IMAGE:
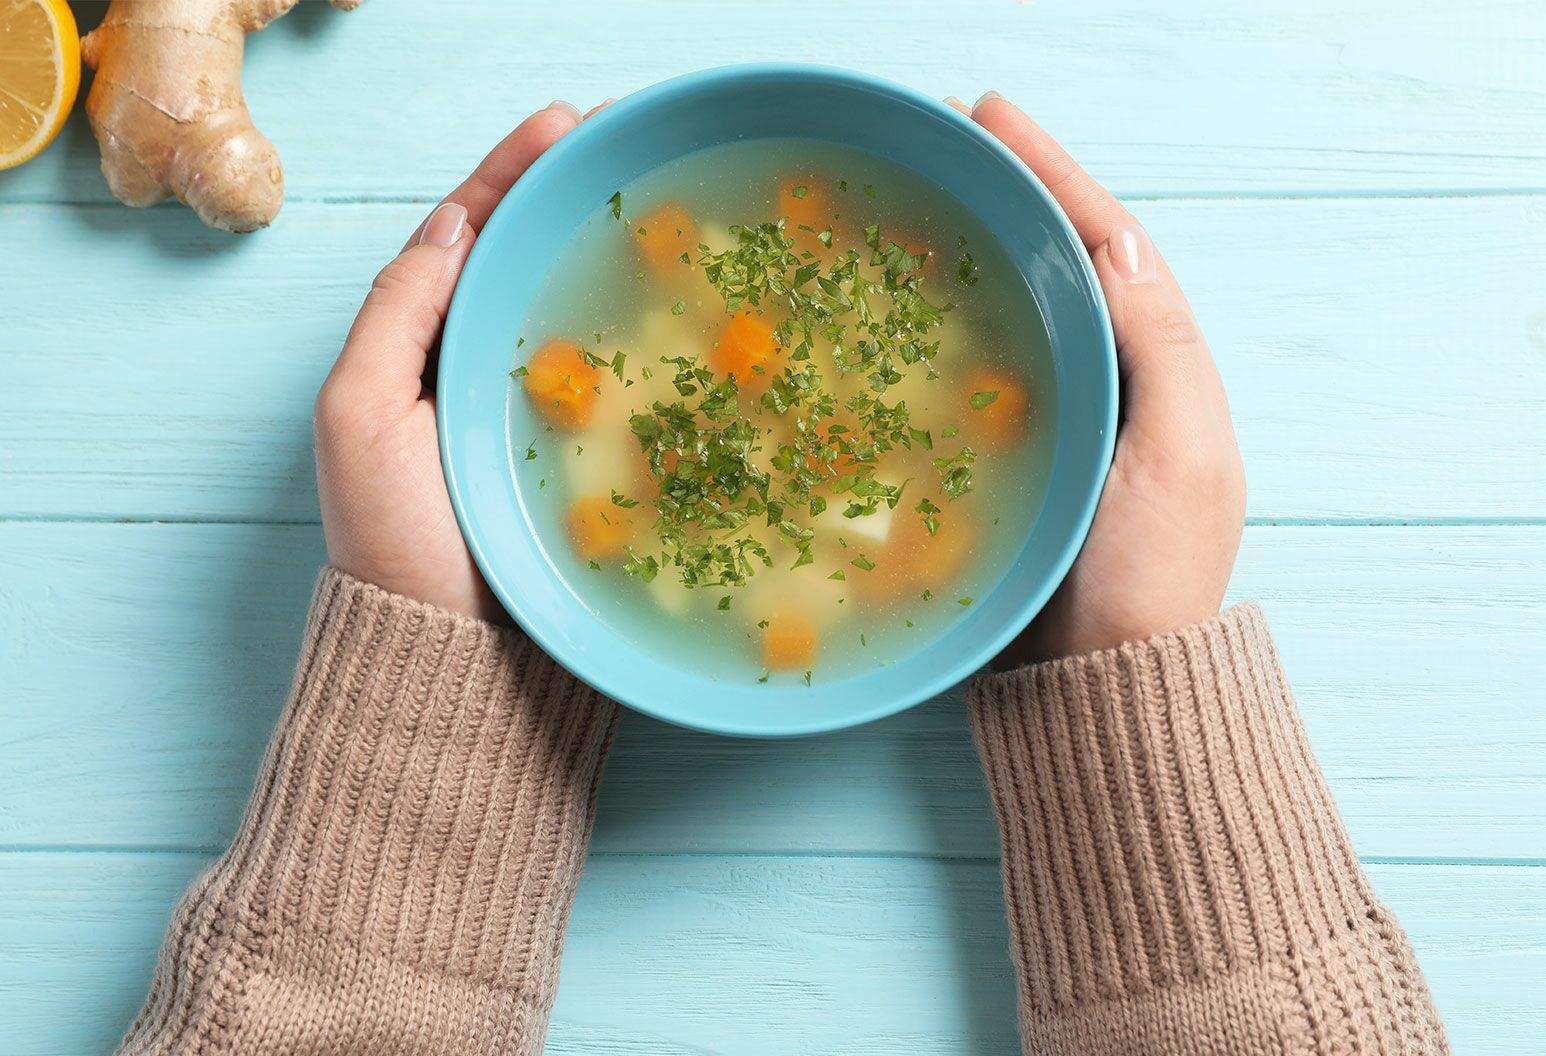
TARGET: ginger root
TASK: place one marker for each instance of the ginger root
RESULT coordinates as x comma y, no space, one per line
167,108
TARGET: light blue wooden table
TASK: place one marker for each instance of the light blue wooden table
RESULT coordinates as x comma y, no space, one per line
1352,191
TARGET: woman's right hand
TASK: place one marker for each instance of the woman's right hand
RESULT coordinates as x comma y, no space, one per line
386,513
1163,544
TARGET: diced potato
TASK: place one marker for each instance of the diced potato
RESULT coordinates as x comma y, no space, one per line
870,528
1001,423
672,336
562,385
664,234
603,458
669,593
717,237
789,642
748,351
599,528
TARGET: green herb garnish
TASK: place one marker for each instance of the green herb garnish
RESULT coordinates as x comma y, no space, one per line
966,270
728,489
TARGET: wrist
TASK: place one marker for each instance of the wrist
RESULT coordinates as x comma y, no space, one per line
1056,634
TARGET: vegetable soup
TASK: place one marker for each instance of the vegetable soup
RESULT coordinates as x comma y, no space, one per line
782,409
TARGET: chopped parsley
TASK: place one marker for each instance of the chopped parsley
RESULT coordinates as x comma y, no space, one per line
733,495
966,270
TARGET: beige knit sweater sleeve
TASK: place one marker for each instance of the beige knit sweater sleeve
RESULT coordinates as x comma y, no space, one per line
1177,877
401,880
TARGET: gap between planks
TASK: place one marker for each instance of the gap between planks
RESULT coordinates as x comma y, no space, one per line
132,850
1270,194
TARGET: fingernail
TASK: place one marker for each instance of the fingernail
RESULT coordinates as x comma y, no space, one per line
1132,254
989,94
951,100
444,225
565,107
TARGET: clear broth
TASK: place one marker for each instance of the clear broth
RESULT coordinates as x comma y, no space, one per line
601,287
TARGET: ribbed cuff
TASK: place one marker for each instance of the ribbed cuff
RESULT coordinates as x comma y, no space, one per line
1162,817
407,861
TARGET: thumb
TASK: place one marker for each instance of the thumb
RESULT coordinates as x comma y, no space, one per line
1167,371
388,347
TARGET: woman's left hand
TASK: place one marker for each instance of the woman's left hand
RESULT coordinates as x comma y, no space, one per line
386,513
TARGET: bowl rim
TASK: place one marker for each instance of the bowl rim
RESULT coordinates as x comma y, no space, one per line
949,674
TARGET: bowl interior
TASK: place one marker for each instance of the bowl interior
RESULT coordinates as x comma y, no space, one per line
641,132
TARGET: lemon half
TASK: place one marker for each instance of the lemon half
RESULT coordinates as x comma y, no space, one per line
40,70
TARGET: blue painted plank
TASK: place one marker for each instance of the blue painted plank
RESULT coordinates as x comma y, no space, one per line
169,371
145,664
670,956
1156,97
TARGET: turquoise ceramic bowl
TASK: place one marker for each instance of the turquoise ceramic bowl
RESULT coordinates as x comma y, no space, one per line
667,121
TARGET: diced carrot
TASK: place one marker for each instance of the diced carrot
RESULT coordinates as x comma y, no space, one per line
562,385
789,642
669,461
664,234
918,247
1002,422
803,203
912,559
747,350
598,527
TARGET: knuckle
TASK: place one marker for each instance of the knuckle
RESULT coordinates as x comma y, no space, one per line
1215,467
403,294
397,278
334,413
1175,327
